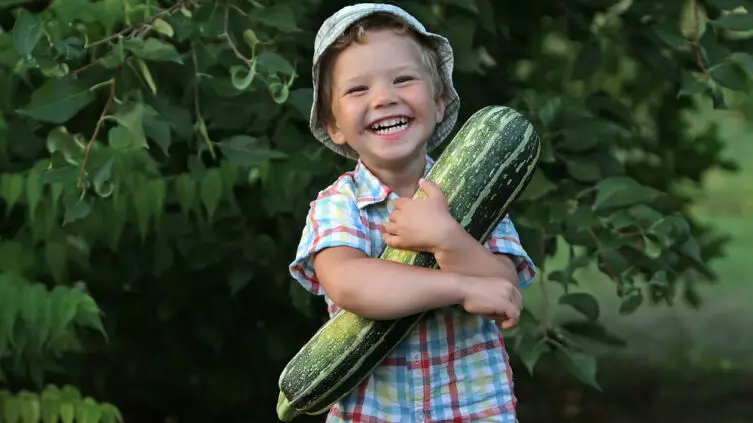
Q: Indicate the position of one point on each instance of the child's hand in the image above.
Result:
(495, 298)
(421, 224)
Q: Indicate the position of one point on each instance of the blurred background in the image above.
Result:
(156, 168)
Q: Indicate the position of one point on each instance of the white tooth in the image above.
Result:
(389, 122)
(392, 129)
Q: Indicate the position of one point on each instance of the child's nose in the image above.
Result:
(383, 95)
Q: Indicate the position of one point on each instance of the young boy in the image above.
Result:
(383, 96)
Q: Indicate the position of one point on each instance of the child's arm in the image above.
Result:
(381, 289)
(463, 254)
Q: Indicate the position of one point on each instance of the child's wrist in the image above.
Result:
(451, 241)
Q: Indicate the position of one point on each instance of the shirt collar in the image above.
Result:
(369, 189)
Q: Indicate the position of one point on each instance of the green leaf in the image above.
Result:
(717, 97)
(240, 277)
(29, 407)
(729, 75)
(645, 214)
(185, 187)
(744, 60)
(469, 6)
(50, 403)
(130, 131)
(728, 4)
(163, 28)
(691, 249)
(581, 365)
(88, 314)
(593, 331)
(77, 211)
(530, 350)
(60, 140)
(153, 49)
(622, 191)
(672, 38)
(275, 63)
(582, 170)
(241, 77)
(211, 190)
(538, 187)
(11, 189)
(56, 259)
(588, 60)
(14, 257)
(87, 411)
(631, 302)
(734, 21)
(103, 186)
(34, 190)
(692, 86)
(158, 129)
(110, 413)
(279, 16)
(302, 99)
(279, 92)
(8, 309)
(245, 151)
(115, 57)
(11, 409)
(584, 303)
(249, 36)
(58, 100)
(27, 31)
(63, 304)
(147, 75)
(651, 248)
(583, 218)
(32, 310)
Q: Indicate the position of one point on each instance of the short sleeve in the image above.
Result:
(332, 221)
(505, 240)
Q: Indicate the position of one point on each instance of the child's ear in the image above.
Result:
(334, 132)
(441, 103)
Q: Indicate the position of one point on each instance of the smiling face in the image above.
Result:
(384, 102)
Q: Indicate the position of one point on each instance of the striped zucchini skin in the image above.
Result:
(483, 170)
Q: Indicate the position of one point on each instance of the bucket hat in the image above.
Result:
(341, 20)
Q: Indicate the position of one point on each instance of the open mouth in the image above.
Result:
(390, 125)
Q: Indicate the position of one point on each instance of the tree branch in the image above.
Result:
(164, 13)
(229, 39)
(101, 119)
(196, 83)
(697, 40)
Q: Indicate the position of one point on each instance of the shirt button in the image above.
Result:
(419, 416)
(415, 357)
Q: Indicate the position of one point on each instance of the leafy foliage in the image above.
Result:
(55, 405)
(158, 153)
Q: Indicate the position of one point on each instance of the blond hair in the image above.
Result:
(356, 33)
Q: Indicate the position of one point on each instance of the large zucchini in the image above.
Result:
(482, 172)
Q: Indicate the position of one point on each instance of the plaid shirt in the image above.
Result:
(453, 367)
